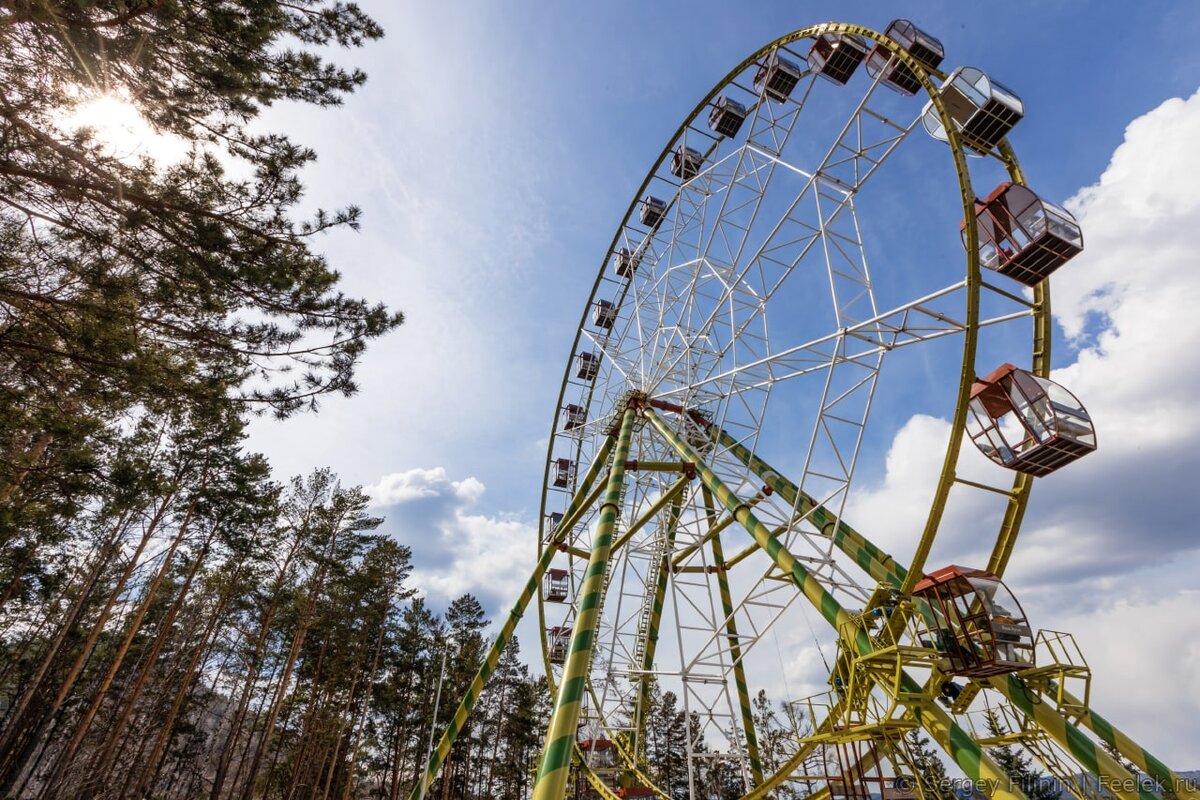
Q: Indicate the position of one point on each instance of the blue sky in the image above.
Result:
(494, 150)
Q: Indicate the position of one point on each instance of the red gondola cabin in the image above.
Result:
(587, 365)
(651, 211)
(1026, 423)
(1023, 236)
(923, 48)
(603, 314)
(726, 116)
(555, 585)
(561, 472)
(559, 640)
(573, 417)
(973, 620)
(625, 262)
(686, 162)
(600, 753)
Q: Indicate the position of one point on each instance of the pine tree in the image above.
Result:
(521, 734)
(465, 621)
(777, 744)
(666, 743)
(1019, 767)
(118, 268)
(929, 771)
(405, 697)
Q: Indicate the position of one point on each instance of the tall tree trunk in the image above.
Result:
(276, 702)
(299, 764)
(71, 619)
(135, 625)
(13, 755)
(252, 737)
(366, 704)
(338, 733)
(316, 586)
(101, 765)
(203, 650)
(491, 765)
(239, 716)
(275, 756)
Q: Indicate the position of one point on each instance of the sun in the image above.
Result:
(121, 130)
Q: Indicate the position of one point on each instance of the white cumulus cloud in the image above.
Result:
(455, 551)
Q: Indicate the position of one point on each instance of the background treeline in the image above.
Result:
(206, 633)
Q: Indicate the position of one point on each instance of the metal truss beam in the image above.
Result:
(561, 735)
(971, 758)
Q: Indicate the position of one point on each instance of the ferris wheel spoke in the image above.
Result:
(911, 323)
(849, 284)
(732, 221)
(789, 240)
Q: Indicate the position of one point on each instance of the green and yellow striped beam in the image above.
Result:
(571, 515)
(973, 761)
(560, 738)
(735, 645)
(848, 540)
(1115, 778)
(883, 568)
(1141, 758)
(651, 633)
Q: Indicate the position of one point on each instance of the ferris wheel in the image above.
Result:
(806, 265)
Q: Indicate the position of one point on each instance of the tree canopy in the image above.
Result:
(132, 289)
(125, 282)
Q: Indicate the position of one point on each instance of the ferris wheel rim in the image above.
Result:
(972, 284)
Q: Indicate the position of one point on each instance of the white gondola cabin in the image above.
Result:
(776, 77)
(971, 618)
(573, 417)
(835, 56)
(651, 211)
(603, 314)
(586, 366)
(559, 641)
(553, 520)
(1027, 423)
(923, 48)
(982, 110)
(561, 472)
(555, 585)
(1023, 236)
(625, 262)
(726, 116)
(686, 162)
